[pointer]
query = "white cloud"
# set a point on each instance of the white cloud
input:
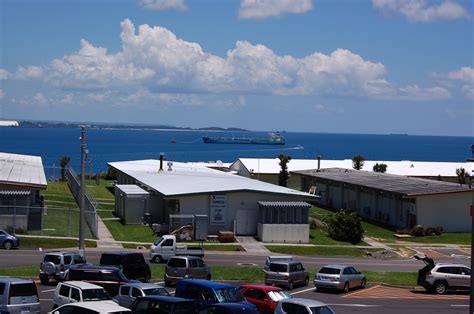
(4, 74)
(260, 9)
(421, 11)
(161, 5)
(153, 61)
(31, 72)
(2, 93)
(465, 75)
(40, 99)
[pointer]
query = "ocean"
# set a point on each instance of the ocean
(119, 145)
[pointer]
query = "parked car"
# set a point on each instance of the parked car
(265, 298)
(302, 306)
(8, 241)
(440, 277)
(341, 277)
(78, 291)
(110, 278)
(94, 307)
(18, 296)
(287, 274)
(228, 308)
(56, 265)
(165, 247)
(182, 267)
(206, 292)
(163, 305)
(129, 292)
(132, 264)
(277, 258)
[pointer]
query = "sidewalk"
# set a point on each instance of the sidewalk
(251, 245)
(106, 240)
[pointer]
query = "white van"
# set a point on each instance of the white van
(78, 291)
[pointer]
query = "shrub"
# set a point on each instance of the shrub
(418, 231)
(345, 226)
(312, 223)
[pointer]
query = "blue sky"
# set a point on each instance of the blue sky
(348, 66)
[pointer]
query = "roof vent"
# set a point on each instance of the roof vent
(170, 164)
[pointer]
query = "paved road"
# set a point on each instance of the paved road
(33, 257)
(373, 299)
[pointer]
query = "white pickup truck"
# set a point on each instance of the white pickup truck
(165, 247)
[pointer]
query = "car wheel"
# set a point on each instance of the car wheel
(44, 280)
(156, 259)
(7, 245)
(346, 287)
(363, 283)
(306, 282)
(290, 285)
(440, 287)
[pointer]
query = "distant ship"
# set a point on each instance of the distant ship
(274, 139)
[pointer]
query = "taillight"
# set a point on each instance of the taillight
(428, 273)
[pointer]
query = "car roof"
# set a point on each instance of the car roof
(262, 287)
(165, 299)
(206, 283)
(336, 266)
(186, 257)
(451, 265)
(285, 262)
(99, 306)
(14, 280)
(302, 301)
(121, 253)
(81, 284)
(59, 253)
(230, 305)
(92, 267)
(143, 285)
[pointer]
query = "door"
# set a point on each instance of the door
(167, 249)
(466, 277)
(246, 222)
(63, 295)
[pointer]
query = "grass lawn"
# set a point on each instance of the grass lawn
(393, 278)
(463, 238)
(20, 271)
(48, 243)
(131, 233)
(316, 251)
(105, 199)
(319, 236)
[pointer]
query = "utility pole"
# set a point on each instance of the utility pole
(471, 302)
(83, 193)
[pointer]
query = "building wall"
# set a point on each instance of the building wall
(451, 211)
(283, 233)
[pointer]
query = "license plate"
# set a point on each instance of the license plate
(25, 310)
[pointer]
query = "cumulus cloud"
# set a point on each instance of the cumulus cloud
(39, 98)
(31, 72)
(153, 60)
(465, 75)
(416, 93)
(4, 74)
(161, 5)
(421, 11)
(260, 9)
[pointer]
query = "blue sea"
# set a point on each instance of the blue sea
(118, 145)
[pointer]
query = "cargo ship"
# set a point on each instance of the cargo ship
(274, 139)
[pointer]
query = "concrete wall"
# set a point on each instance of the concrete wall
(289, 233)
(451, 211)
(21, 222)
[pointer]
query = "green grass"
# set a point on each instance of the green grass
(392, 278)
(319, 236)
(62, 222)
(131, 233)
(463, 238)
(105, 214)
(105, 199)
(20, 271)
(49, 243)
(319, 251)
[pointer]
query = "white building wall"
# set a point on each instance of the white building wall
(283, 233)
(451, 211)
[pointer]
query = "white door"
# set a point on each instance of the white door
(246, 222)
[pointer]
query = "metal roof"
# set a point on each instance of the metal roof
(283, 204)
(403, 167)
(186, 179)
(22, 170)
(131, 189)
(387, 182)
(15, 192)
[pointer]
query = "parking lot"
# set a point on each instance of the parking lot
(373, 299)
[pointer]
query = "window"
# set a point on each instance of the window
(200, 263)
(141, 306)
(2, 288)
(321, 310)
(177, 262)
(55, 259)
(94, 295)
(229, 295)
(156, 291)
(278, 295)
(250, 293)
(110, 259)
(110, 277)
(67, 259)
(329, 271)
(136, 293)
(293, 268)
(353, 271)
(347, 271)
(78, 259)
(75, 295)
(2, 233)
(64, 291)
(299, 267)
(124, 290)
(466, 271)
(193, 263)
(287, 307)
(278, 267)
(449, 270)
(168, 242)
(260, 295)
(193, 292)
(23, 290)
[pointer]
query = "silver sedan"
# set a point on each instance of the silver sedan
(342, 277)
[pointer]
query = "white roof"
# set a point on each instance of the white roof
(9, 123)
(99, 306)
(185, 179)
(81, 285)
(131, 189)
(22, 170)
(404, 167)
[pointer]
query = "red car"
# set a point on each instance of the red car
(264, 297)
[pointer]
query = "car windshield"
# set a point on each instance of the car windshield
(156, 291)
(158, 241)
(55, 259)
(330, 271)
(276, 296)
(95, 295)
(278, 267)
(229, 295)
(321, 310)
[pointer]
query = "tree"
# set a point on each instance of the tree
(63, 162)
(283, 176)
(358, 162)
(345, 226)
(380, 168)
(463, 175)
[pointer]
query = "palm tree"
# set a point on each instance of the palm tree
(63, 163)
(462, 175)
(358, 162)
(283, 176)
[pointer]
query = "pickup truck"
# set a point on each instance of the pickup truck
(165, 247)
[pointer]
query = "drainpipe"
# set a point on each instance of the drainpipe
(162, 157)
(319, 163)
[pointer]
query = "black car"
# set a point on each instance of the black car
(110, 278)
(132, 264)
(163, 305)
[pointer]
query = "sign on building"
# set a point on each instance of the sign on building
(218, 204)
